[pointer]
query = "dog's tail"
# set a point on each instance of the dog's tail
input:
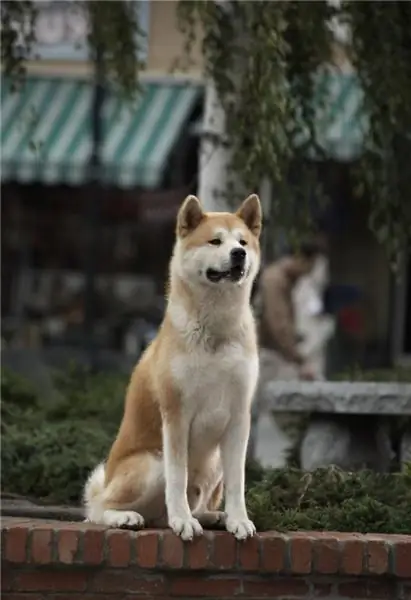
(93, 492)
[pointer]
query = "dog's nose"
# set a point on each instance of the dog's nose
(237, 256)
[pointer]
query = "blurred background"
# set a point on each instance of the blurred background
(91, 183)
(111, 113)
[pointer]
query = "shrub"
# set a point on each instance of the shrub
(18, 400)
(51, 461)
(89, 396)
(356, 373)
(333, 500)
(48, 451)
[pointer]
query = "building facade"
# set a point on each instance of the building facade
(49, 184)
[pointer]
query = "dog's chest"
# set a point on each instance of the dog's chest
(211, 381)
(213, 385)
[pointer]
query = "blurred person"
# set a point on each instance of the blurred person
(281, 354)
(314, 326)
(281, 349)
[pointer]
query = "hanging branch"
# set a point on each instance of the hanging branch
(261, 56)
(116, 30)
(382, 56)
(269, 100)
(17, 36)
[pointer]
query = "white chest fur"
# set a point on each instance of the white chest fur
(214, 385)
(205, 376)
(216, 354)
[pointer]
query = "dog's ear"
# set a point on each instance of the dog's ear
(189, 216)
(250, 212)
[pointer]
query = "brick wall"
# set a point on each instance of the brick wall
(63, 561)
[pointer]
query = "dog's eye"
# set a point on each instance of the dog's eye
(215, 242)
(243, 243)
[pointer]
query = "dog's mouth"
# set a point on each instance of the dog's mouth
(233, 274)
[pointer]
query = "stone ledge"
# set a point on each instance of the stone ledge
(338, 397)
(41, 543)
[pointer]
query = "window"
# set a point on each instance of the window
(62, 25)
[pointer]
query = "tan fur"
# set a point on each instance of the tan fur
(186, 415)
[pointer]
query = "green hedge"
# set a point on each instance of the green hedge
(330, 499)
(48, 450)
(356, 373)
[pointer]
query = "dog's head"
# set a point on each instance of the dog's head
(218, 249)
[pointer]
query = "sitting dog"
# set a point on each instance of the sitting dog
(187, 411)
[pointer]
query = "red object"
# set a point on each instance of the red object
(352, 321)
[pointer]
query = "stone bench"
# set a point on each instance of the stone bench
(349, 422)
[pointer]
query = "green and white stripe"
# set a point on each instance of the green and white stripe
(46, 131)
(340, 122)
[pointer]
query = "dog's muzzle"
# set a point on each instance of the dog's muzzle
(236, 270)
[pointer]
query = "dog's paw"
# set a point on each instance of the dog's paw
(210, 519)
(123, 518)
(240, 528)
(186, 528)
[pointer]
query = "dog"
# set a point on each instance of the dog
(183, 438)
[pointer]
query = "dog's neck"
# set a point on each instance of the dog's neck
(209, 315)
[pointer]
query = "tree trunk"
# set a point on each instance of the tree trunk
(214, 154)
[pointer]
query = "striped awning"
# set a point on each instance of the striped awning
(46, 131)
(340, 121)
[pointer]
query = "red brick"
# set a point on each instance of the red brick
(249, 554)
(223, 551)
(352, 557)
(70, 596)
(119, 548)
(275, 587)
(53, 580)
(14, 596)
(210, 587)
(15, 544)
(361, 589)
(133, 597)
(6, 578)
(73, 526)
(402, 558)
(41, 546)
(67, 545)
(326, 553)
(406, 591)
(173, 551)
(321, 590)
(382, 590)
(197, 552)
(353, 589)
(122, 582)
(377, 557)
(300, 555)
(273, 550)
(93, 547)
(147, 549)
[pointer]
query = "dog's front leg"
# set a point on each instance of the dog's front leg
(233, 454)
(175, 442)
